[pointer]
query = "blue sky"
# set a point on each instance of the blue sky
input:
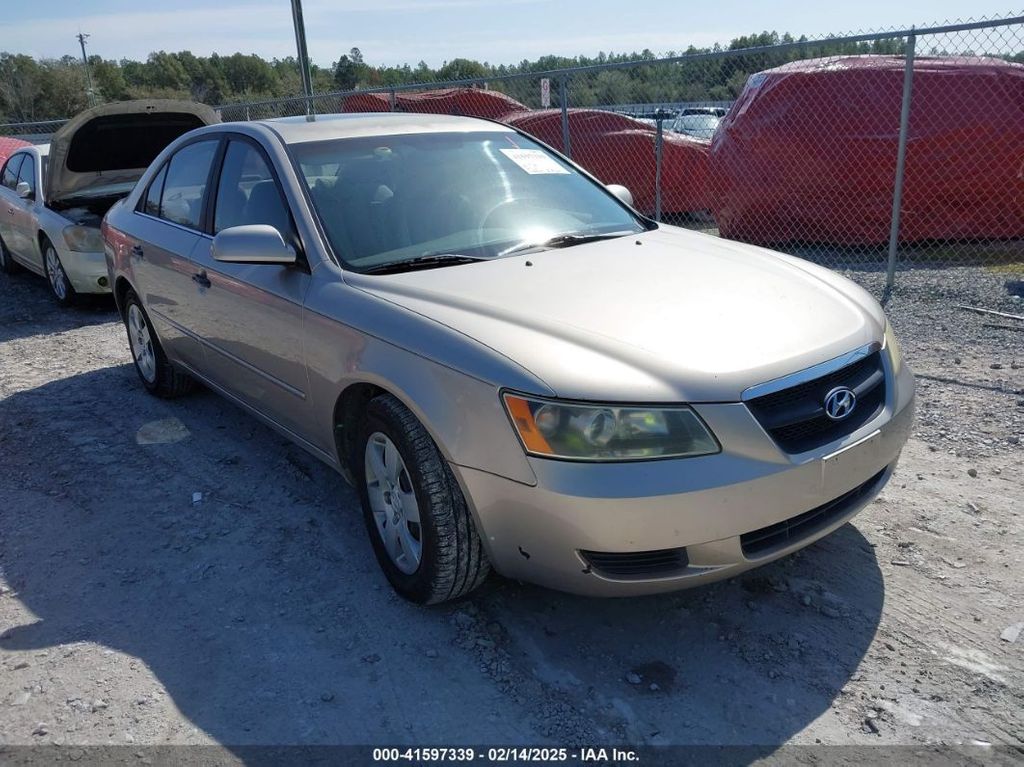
(399, 31)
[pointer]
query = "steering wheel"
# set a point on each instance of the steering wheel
(501, 206)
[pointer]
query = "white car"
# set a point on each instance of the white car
(53, 196)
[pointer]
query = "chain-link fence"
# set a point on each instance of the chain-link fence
(870, 152)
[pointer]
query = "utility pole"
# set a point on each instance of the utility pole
(88, 75)
(300, 44)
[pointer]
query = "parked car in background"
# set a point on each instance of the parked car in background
(699, 125)
(53, 196)
(514, 367)
(714, 111)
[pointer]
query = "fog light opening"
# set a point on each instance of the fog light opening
(102, 282)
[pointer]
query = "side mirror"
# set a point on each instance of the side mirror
(252, 244)
(23, 190)
(622, 193)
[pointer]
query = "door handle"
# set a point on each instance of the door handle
(137, 251)
(201, 279)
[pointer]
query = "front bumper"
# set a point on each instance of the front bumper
(86, 271)
(705, 505)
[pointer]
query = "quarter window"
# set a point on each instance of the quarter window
(156, 188)
(9, 177)
(187, 174)
(247, 193)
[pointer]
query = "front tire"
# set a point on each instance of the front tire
(156, 372)
(60, 286)
(422, 531)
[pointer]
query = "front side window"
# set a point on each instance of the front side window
(247, 192)
(9, 177)
(187, 174)
(387, 199)
(27, 173)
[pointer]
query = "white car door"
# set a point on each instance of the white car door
(9, 200)
(24, 218)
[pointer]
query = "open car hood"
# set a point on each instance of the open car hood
(111, 145)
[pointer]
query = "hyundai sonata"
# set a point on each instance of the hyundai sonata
(515, 368)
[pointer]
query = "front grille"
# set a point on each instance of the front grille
(795, 417)
(789, 531)
(637, 564)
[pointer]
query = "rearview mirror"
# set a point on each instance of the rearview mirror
(252, 244)
(23, 190)
(622, 193)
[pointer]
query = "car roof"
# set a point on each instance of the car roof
(296, 130)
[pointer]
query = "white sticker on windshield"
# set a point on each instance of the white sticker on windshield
(533, 161)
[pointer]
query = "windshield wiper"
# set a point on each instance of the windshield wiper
(564, 241)
(428, 261)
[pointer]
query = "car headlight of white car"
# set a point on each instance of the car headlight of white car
(83, 239)
(893, 348)
(594, 432)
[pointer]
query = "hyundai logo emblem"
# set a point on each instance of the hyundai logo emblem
(839, 403)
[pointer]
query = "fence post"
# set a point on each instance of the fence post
(563, 90)
(901, 159)
(393, 100)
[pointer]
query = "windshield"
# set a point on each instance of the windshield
(701, 125)
(388, 199)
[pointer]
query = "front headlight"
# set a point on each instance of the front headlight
(83, 239)
(893, 347)
(591, 432)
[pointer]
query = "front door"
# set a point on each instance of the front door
(250, 315)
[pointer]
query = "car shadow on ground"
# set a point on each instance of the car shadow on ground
(261, 612)
(27, 308)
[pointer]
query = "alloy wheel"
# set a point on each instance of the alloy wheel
(393, 503)
(55, 273)
(141, 343)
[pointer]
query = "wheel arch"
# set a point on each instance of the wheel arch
(121, 288)
(348, 409)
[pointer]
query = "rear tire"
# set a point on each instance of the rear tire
(60, 286)
(156, 372)
(7, 263)
(440, 556)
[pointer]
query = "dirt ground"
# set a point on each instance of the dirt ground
(256, 615)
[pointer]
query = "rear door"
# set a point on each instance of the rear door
(250, 315)
(168, 225)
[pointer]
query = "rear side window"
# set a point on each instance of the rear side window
(9, 177)
(247, 193)
(156, 188)
(187, 174)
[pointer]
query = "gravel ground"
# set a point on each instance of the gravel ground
(131, 614)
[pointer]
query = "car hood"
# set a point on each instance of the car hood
(110, 146)
(664, 316)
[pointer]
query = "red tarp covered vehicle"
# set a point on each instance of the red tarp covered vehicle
(620, 150)
(808, 152)
(470, 102)
(9, 146)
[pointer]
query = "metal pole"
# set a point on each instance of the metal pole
(300, 44)
(563, 91)
(658, 117)
(393, 100)
(901, 159)
(90, 93)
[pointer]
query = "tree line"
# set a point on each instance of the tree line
(43, 89)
